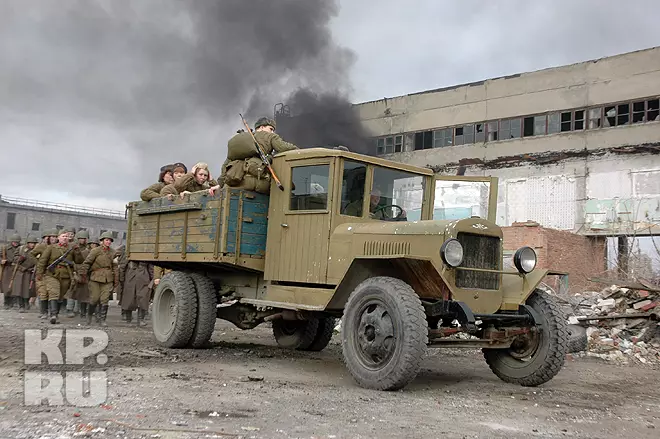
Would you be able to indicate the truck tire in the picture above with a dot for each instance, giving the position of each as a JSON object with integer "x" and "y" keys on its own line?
{"x": 323, "y": 334}
{"x": 384, "y": 333}
{"x": 538, "y": 360}
{"x": 577, "y": 339}
{"x": 295, "y": 334}
{"x": 174, "y": 310}
{"x": 206, "y": 311}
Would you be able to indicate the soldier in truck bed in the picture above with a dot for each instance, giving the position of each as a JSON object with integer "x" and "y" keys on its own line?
{"x": 243, "y": 167}
{"x": 165, "y": 177}
{"x": 198, "y": 179}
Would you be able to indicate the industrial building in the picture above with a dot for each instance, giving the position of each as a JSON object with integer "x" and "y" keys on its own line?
{"x": 575, "y": 147}
{"x": 22, "y": 216}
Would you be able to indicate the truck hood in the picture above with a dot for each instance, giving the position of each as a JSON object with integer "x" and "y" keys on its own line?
{"x": 429, "y": 227}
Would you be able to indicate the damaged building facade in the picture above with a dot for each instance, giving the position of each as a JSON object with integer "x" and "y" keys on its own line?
{"x": 575, "y": 147}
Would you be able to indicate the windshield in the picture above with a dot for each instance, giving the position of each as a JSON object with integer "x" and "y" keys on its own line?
{"x": 395, "y": 193}
{"x": 455, "y": 199}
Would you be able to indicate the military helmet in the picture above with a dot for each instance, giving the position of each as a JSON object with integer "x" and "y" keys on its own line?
{"x": 32, "y": 238}
{"x": 105, "y": 235}
{"x": 82, "y": 234}
{"x": 264, "y": 121}
{"x": 52, "y": 232}
{"x": 69, "y": 230}
{"x": 15, "y": 238}
{"x": 44, "y": 234}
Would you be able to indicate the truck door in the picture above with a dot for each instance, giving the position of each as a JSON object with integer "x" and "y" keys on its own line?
{"x": 301, "y": 229}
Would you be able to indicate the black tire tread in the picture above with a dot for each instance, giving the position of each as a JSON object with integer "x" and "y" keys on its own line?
{"x": 186, "y": 303}
{"x": 577, "y": 339}
{"x": 415, "y": 324}
{"x": 206, "y": 311}
{"x": 556, "y": 355}
{"x": 323, "y": 334}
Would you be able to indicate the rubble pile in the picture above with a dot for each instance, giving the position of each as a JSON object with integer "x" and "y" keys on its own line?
{"x": 625, "y": 324}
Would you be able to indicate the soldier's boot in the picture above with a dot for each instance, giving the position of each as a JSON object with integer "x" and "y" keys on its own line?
{"x": 7, "y": 301}
{"x": 83, "y": 310}
{"x": 76, "y": 306}
{"x": 141, "y": 314}
{"x": 53, "y": 307}
{"x": 21, "y": 304}
{"x": 129, "y": 316}
{"x": 43, "y": 306}
{"x": 104, "y": 314}
{"x": 90, "y": 313}
{"x": 124, "y": 315}
{"x": 70, "y": 303}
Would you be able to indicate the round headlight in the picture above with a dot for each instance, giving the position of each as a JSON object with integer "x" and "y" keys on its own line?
{"x": 525, "y": 259}
{"x": 451, "y": 252}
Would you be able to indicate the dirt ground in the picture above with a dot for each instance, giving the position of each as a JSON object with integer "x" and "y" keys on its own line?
{"x": 244, "y": 386}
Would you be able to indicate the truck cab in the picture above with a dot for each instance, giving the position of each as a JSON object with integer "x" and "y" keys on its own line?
{"x": 408, "y": 259}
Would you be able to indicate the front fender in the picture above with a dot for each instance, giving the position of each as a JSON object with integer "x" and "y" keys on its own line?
{"x": 518, "y": 288}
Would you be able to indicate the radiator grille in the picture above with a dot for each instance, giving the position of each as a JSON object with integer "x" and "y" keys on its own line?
{"x": 374, "y": 248}
{"x": 479, "y": 252}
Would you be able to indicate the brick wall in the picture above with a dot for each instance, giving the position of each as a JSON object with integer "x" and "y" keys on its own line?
{"x": 582, "y": 257}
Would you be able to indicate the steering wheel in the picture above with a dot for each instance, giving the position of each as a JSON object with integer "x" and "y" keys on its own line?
{"x": 386, "y": 215}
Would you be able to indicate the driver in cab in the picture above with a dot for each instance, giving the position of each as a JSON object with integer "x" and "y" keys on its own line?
{"x": 355, "y": 207}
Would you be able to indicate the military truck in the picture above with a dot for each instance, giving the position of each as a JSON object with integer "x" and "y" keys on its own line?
{"x": 368, "y": 240}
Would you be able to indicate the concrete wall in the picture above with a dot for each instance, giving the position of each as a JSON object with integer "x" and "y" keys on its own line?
{"x": 623, "y": 77}
{"x": 26, "y": 216}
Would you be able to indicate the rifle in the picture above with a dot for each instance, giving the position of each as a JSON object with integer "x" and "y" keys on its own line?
{"x": 263, "y": 156}
{"x": 13, "y": 276}
{"x": 61, "y": 259}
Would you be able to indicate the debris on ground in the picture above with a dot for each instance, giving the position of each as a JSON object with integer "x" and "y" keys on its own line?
{"x": 621, "y": 323}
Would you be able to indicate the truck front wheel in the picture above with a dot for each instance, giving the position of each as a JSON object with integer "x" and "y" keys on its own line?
{"x": 174, "y": 310}
{"x": 537, "y": 357}
{"x": 384, "y": 334}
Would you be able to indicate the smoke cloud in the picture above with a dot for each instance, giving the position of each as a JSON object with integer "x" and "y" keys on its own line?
{"x": 121, "y": 88}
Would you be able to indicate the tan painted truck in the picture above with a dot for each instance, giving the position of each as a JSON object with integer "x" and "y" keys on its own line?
{"x": 410, "y": 260}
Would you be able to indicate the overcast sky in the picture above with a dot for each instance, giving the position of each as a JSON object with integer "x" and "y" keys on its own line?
{"x": 88, "y": 116}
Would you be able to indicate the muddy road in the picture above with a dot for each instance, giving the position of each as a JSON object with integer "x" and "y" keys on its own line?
{"x": 244, "y": 386}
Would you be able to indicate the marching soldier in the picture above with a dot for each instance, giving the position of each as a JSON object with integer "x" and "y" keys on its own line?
{"x": 58, "y": 279}
{"x": 23, "y": 281}
{"x": 243, "y": 167}
{"x": 8, "y": 256}
{"x": 102, "y": 277}
{"x": 137, "y": 290}
{"x": 81, "y": 290}
{"x": 49, "y": 237}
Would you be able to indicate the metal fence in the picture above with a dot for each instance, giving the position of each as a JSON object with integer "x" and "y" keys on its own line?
{"x": 46, "y": 205}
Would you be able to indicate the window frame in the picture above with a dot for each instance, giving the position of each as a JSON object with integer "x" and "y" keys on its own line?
{"x": 340, "y": 179}
{"x": 330, "y": 189}
{"x": 13, "y": 220}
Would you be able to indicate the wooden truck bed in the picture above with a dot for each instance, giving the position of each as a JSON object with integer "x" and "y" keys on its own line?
{"x": 200, "y": 228}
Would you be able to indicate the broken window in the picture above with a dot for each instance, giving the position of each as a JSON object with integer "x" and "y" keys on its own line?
{"x": 398, "y": 143}
{"x": 595, "y": 115}
{"x": 479, "y": 132}
{"x": 380, "y": 146}
{"x": 510, "y": 128}
{"x": 11, "y": 220}
{"x": 553, "y": 123}
{"x": 639, "y": 112}
{"x": 493, "y": 131}
{"x": 389, "y": 145}
{"x": 442, "y": 138}
{"x": 528, "y": 126}
{"x": 653, "y": 107}
{"x": 464, "y": 135}
{"x": 578, "y": 120}
{"x": 622, "y": 114}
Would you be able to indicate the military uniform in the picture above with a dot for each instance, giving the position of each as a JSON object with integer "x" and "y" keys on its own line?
{"x": 42, "y": 292}
{"x": 58, "y": 281}
{"x": 188, "y": 183}
{"x": 81, "y": 289}
{"x": 8, "y": 258}
{"x": 101, "y": 279}
{"x": 23, "y": 287}
{"x": 152, "y": 191}
{"x": 137, "y": 289}
{"x": 244, "y": 168}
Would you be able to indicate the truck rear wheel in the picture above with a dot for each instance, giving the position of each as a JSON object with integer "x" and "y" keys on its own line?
{"x": 206, "y": 311}
{"x": 174, "y": 310}
{"x": 323, "y": 334}
{"x": 295, "y": 334}
{"x": 384, "y": 333}
{"x": 536, "y": 359}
